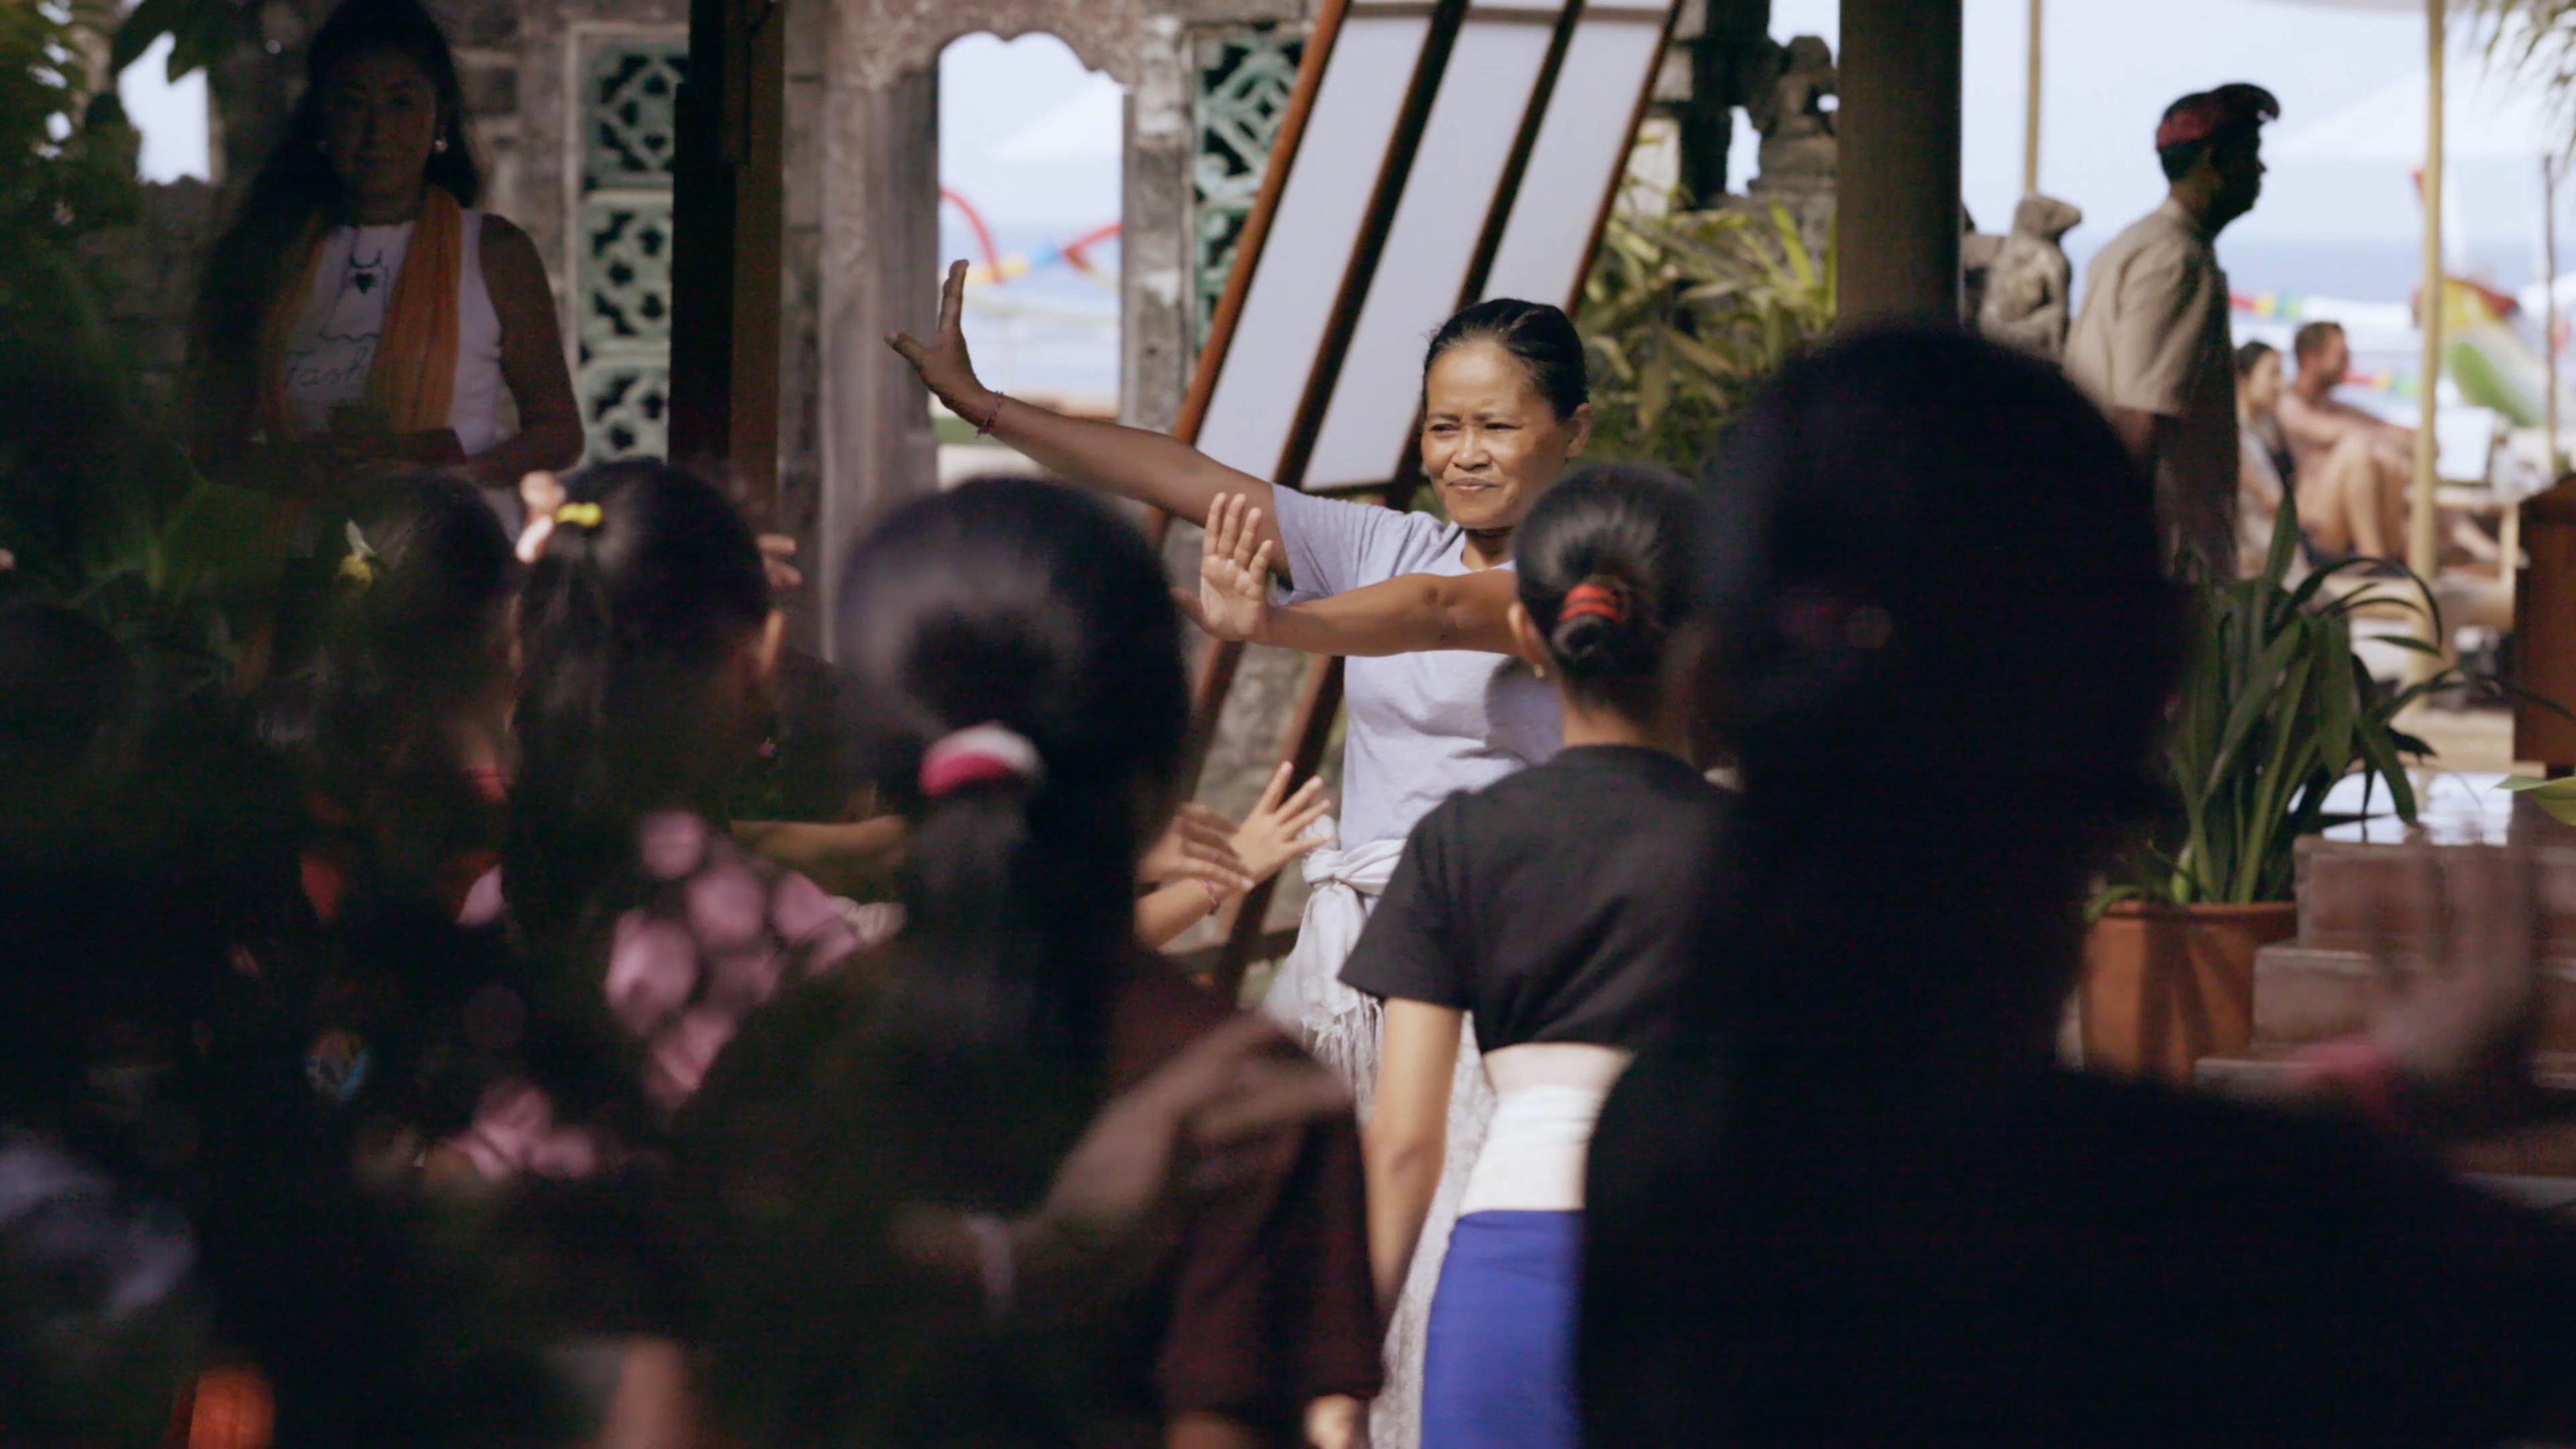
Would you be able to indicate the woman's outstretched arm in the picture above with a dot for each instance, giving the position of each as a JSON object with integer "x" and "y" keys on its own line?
{"x": 1403, "y": 615}
{"x": 1150, "y": 468}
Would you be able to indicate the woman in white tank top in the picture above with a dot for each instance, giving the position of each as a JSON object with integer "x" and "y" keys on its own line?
{"x": 359, "y": 316}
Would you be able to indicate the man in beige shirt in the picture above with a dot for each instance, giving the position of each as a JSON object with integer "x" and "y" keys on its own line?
{"x": 2151, "y": 344}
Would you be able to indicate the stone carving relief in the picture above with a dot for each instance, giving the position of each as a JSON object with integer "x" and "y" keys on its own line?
{"x": 625, "y": 130}
{"x": 1245, "y": 74}
{"x": 1787, "y": 86}
{"x": 2028, "y": 282}
{"x": 628, "y": 126}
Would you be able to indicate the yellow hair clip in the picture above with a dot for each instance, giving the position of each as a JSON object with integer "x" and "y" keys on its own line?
{"x": 358, "y": 566}
{"x": 579, "y": 515}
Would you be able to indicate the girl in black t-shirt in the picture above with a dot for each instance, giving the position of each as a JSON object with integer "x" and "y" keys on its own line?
{"x": 1557, "y": 907}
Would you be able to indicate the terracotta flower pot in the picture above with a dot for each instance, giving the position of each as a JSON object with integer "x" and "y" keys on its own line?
{"x": 2165, "y": 986}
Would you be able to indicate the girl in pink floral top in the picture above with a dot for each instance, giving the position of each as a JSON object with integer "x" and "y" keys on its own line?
{"x": 650, "y": 646}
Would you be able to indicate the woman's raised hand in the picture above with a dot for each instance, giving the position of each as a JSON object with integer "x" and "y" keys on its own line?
{"x": 1233, "y": 598}
{"x": 942, "y": 363}
{"x": 1275, "y": 832}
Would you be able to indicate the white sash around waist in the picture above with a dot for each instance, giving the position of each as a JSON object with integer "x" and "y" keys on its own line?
{"x": 1337, "y": 1024}
{"x": 1547, "y": 1096}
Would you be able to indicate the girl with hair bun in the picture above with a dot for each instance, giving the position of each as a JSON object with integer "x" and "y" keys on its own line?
{"x": 1558, "y": 908}
{"x": 1014, "y": 666}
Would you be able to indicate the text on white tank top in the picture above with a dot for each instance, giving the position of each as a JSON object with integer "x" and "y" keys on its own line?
{"x": 333, "y": 347}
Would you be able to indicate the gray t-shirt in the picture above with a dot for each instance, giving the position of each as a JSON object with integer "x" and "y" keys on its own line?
{"x": 1422, "y": 726}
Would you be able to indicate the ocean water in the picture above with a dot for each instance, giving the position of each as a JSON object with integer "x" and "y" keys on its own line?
{"x": 2356, "y": 271}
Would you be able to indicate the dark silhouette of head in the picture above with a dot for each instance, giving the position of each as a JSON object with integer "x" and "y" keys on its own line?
{"x": 1943, "y": 644}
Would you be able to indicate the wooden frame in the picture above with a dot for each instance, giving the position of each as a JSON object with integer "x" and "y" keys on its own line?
{"x": 727, "y": 221}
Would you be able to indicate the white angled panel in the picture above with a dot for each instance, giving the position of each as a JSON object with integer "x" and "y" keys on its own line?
{"x": 1484, "y": 95}
{"x": 1581, "y": 148}
{"x": 1312, "y": 233}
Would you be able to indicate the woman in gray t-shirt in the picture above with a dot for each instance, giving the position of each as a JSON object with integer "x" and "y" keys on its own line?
{"x": 1504, "y": 408}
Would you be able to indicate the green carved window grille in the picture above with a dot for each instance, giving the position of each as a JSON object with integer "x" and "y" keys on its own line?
{"x": 1245, "y": 73}
{"x": 622, "y": 236}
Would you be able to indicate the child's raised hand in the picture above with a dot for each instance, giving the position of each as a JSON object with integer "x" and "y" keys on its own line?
{"x": 1275, "y": 832}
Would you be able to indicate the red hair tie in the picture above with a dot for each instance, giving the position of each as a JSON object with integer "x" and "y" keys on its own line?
{"x": 1594, "y": 600}
{"x": 975, "y": 756}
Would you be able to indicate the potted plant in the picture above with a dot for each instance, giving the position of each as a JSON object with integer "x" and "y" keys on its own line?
{"x": 2274, "y": 710}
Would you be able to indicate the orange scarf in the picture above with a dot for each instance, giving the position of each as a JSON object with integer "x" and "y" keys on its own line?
{"x": 413, "y": 377}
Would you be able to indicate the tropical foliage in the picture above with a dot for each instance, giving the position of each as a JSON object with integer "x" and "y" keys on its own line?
{"x": 66, "y": 155}
{"x": 2274, "y": 711}
{"x": 2536, "y": 37}
{"x": 1685, "y": 314}
{"x": 98, "y": 507}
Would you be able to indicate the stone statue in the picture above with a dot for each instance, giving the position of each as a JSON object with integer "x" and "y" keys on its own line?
{"x": 1787, "y": 86}
{"x": 2029, "y": 282}
{"x": 1977, "y": 253}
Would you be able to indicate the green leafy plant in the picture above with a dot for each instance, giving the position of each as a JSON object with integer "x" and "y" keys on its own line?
{"x": 66, "y": 156}
{"x": 2275, "y": 709}
{"x": 99, "y": 507}
{"x": 1685, "y": 314}
{"x": 101, "y": 510}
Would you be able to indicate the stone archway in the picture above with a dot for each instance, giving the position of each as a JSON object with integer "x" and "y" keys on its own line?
{"x": 863, "y": 226}
{"x": 876, "y": 216}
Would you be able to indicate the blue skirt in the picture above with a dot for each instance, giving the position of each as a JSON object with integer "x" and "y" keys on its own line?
{"x": 1498, "y": 1364}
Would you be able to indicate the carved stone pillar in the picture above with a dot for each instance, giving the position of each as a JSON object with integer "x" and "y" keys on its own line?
{"x": 879, "y": 265}
{"x": 1155, "y": 345}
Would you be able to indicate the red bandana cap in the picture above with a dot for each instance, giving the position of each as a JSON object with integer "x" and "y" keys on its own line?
{"x": 2204, "y": 114}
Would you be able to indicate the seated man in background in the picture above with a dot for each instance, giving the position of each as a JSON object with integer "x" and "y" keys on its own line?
{"x": 2353, "y": 467}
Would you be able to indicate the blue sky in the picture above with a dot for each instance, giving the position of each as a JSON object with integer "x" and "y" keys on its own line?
{"x": 2112, "y": 65}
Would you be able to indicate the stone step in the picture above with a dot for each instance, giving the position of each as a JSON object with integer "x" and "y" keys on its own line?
{"x": 2352, "y": 893}
{"x": 2303, "y": 994}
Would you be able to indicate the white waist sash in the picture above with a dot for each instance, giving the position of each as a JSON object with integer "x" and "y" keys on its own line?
{"x": 1337, "y": 1024}
{"x": 1547, "y": 1096}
